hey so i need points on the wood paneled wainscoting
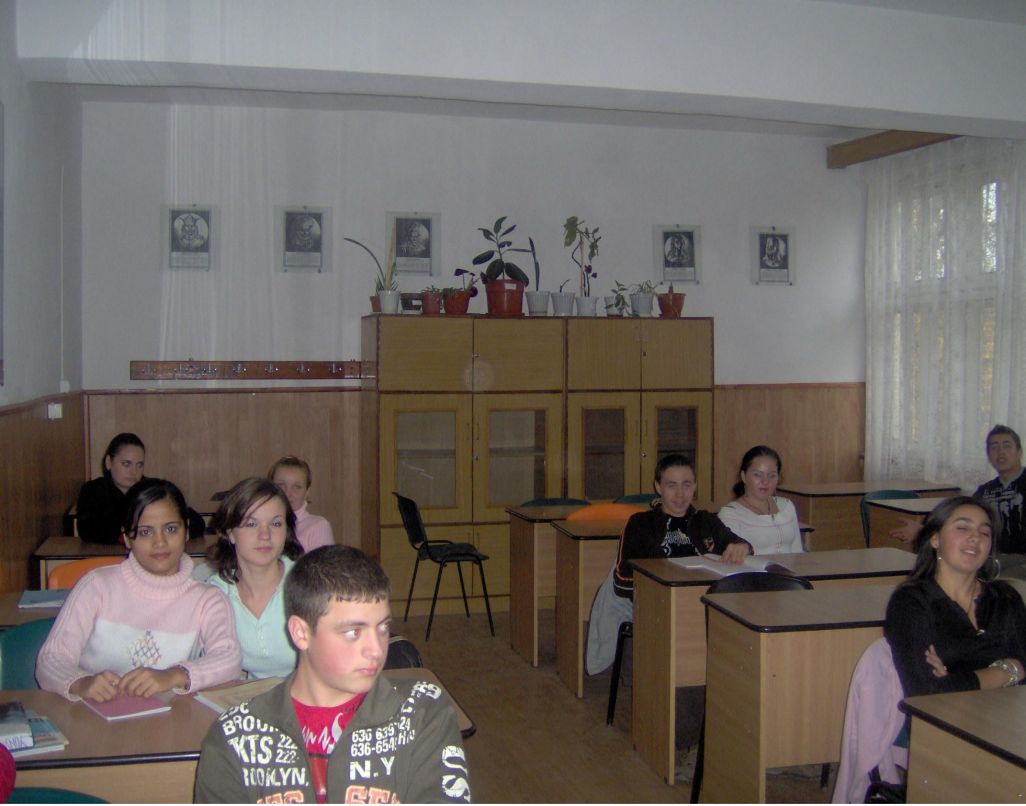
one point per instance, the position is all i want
(817, 428)
(43, 462)
(207, 440)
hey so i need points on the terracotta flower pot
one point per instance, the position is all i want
(375, 304)
(431, 303)
(671, 306)
(505, 298)
(456, 301)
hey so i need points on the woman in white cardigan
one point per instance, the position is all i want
(768, 523)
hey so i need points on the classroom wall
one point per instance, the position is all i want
(469, 170)
(41, 254)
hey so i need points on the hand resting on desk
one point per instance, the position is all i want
(139, 682)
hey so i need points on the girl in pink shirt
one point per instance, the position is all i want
(145, 626)
(292, 475)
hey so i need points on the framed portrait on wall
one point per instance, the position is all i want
(416, 242)
(772, 255)
(302, 238)
(676, 251)
(188, 232)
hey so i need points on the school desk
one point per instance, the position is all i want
(11, 615)
(779, 665)
(56, 551)
(585, 553)
(888, 514)
(147, 760)
(834, 508)
(532, 572)
(669, 630)
(968, 747)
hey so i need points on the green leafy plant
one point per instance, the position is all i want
(620, 298)
(537, 268)
(385, 281)
(563, 284)
(463, 274)
(577, 235)
(430, 290)
(498, 266)
(644, 287)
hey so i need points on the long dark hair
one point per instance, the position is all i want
(926, 555)
(242, 498)
(119, 441)
(746, 462)
(150, 491)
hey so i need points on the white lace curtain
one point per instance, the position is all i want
(945, 308)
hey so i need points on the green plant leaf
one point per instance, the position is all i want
(484, 257)
(504, 244)
(508, 230)
(488, 234)
(494, 270)
(514, 272)
(498, 225)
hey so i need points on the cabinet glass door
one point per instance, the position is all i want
(425, 450)
(678, 422)
(517, 451)
(603, 445)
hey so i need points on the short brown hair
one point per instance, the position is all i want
(291, 461)
(241, 498)
(340, 573)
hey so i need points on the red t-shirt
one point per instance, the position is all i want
(321, 728)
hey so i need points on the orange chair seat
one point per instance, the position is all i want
(67, 574)
(605, 512)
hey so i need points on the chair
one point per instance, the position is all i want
(879, 495)
(49, 794)
(605, 512)
(441, 552)
(18, 649)
(67, 574)
(747, 582)
(554, 502)
(402, 654)
(636, 498)
(626, 631)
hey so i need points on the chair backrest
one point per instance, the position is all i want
(67, 574)
(759, 581)
(554, 502)
(636, 498)
(879, 495)
(18, 649)
(605, 512)
(410, 513)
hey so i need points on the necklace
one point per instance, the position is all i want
(748, 502)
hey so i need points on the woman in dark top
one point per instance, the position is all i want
(102, 502)
(952, 626)
(673, 527)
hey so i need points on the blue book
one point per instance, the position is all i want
(54, 597)
(15, 732)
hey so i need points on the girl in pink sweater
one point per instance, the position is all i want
(145, 626)
(292, 475)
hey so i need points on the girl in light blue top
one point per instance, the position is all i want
(255, 549)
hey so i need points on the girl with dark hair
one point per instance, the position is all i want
(102, 501)
(144, 626)
(768, 523)
(952, 626)
(255, 549)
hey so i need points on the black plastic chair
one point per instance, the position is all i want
(554, 502)
(746, 582)
(626, 631)
(441, 552)
(879, 495)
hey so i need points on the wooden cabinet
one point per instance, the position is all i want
(476, 414)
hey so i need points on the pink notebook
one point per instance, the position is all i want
(128, 707)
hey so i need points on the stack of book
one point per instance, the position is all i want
(26, 733)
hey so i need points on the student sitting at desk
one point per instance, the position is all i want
(952, 626)
(294, 478)
(335, 730)
(102, 502)
(769, 524)
(1006, 493)
(255, 549)
(144, 626)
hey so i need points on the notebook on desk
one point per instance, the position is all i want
(128, 707)
(710, 563)
(52, 597)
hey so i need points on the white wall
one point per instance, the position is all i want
(137, 156)
(41, 142)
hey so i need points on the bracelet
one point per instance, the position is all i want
(1009, 669)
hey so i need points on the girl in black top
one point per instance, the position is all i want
(952, 626)
(102, 502)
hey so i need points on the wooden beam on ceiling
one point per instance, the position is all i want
(879, 145)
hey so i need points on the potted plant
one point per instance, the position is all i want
(616, 303)
(537, 300)
(457, 300)
(563, 301)
(504, 281)
(671, 304)
(642, 295)
(576, 235)
(431, 301)
(386, 287)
